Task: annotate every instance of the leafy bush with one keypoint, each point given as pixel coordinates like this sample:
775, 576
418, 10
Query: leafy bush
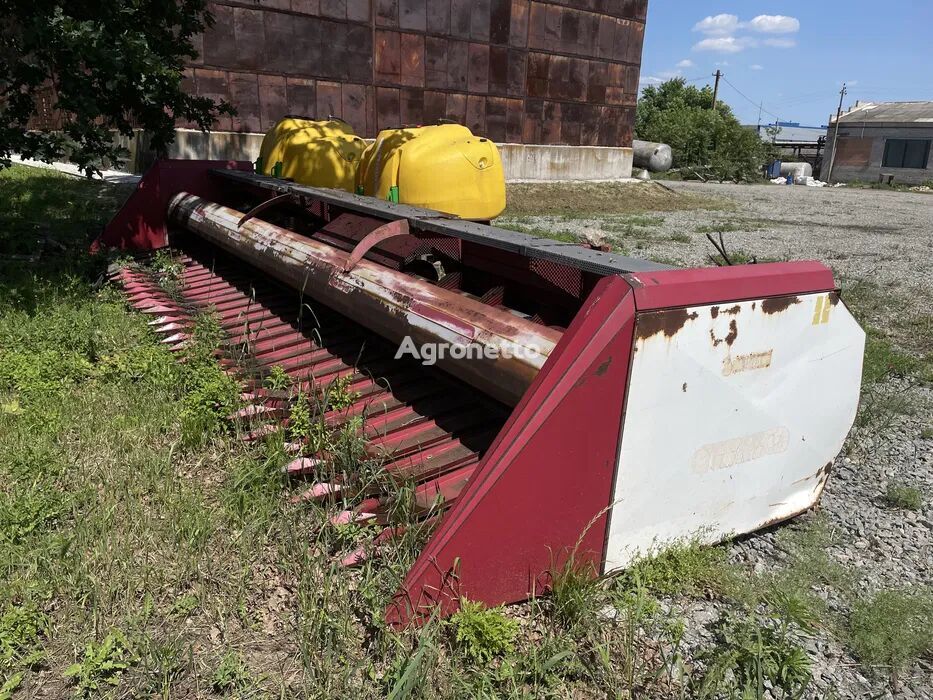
25, 510
751, 654
231, 674
681, 116
481, 633
102, 664
22, 628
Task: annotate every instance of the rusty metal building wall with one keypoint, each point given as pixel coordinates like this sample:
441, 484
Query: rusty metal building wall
521, 71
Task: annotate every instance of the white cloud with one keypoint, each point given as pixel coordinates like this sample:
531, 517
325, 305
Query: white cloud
686, 63
774, 24
756, 66
780, 43
720, 24
723, 44
649, 80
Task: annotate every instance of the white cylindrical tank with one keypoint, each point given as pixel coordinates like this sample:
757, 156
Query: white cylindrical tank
654, 157
796, 170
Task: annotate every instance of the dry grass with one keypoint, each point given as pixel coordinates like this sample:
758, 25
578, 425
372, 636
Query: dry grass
594, 199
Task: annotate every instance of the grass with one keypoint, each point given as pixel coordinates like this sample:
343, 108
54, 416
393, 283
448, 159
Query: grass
903, 496
723, 227
891, 630
599, 199
685, 568
900, 335
522, 226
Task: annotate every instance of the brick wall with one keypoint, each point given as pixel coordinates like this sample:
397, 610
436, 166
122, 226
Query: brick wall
552, 72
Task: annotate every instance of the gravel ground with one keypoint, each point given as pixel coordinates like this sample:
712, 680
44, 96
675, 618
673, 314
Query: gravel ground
878, 236
870, 234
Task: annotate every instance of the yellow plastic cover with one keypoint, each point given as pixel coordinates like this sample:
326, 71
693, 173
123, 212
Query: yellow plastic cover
315, 153
443, 167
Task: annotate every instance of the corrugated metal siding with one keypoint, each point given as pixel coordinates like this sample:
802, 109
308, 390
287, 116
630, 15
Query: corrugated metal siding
554, 72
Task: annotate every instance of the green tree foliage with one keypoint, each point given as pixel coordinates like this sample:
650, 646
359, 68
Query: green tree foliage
681, 116
103, 65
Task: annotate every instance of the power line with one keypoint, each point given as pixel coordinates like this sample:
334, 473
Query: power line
750, 100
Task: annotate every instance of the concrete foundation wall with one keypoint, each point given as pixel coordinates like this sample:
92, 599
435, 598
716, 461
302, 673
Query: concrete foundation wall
525, 162
869, 168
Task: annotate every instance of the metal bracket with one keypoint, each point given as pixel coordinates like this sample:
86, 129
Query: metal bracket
374, 237
268, 204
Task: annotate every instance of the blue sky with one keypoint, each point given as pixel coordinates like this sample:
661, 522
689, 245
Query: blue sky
793, 56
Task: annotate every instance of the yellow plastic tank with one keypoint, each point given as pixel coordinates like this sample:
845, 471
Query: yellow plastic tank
310, 152
443, 167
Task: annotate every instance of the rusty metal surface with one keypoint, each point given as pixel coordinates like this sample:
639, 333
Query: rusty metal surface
521, 71
569, 255
393, 305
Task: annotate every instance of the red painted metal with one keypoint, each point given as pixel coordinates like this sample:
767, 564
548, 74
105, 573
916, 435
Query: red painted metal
141, 222
540, 495
665, 289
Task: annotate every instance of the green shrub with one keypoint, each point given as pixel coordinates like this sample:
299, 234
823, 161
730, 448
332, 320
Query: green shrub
210, 394
22, 628
481, 633
103, 664
903, 496
232, 674
683, 568
892, 629
751, 654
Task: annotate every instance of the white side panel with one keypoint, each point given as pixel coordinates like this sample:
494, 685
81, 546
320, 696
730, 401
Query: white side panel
733, 419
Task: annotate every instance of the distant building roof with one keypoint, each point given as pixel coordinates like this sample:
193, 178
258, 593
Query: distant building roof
888, 112
791, 132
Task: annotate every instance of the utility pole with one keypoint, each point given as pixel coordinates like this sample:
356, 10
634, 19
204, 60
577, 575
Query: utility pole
717, 75
832, 158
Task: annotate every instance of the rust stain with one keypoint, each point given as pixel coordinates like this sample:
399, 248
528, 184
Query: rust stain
745, 363
733, 310
754, 304
778, 304
834, 298
714, 311
716, 341
633, 281
684, 388
733, 333
666, 322
604, 367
